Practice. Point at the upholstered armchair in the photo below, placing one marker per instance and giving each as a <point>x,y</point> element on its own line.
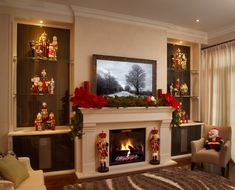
<point>220,158</point>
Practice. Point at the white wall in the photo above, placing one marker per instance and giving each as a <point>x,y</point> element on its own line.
<point>98,36</point>
<point>5,49</point>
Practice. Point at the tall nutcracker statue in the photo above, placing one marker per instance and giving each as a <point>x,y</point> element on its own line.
<point>102,147</point>
<point>155,145</point>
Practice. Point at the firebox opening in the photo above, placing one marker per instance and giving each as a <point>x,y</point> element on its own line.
<point>126,146</point>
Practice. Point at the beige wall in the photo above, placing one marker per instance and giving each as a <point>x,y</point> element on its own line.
<point>4,78</point>
<point>97,36</point>
<point>221,39</point>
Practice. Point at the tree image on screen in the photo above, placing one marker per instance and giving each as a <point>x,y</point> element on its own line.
<point>107,84</point>
<point>136,78</point>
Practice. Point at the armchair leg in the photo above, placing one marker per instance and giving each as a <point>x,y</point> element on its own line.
<point>223,171</point>
<point>202,166</point>
<point>192,165</point>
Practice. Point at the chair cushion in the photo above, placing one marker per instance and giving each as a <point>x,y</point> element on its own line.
<point>6,185</point>
<point>35,179</point>
<point>208,156</point>
<point>13,170</point>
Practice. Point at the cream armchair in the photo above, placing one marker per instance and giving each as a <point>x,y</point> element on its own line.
<point>202,155</point>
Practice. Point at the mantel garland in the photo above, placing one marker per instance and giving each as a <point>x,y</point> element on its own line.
<point>84,99</point>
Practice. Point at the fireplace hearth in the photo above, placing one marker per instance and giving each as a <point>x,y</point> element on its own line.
<point>126,146</point>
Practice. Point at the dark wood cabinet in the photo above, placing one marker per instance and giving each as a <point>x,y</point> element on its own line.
<point>47,152</point>
<point>182,137</point>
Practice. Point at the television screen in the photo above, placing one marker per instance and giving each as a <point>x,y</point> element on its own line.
<point>121,76</point>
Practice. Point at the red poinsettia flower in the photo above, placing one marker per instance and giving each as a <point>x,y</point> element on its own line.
<point>82,98</point>
<point>148,99</point>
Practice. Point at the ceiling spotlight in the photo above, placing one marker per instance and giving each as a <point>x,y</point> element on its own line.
<point>197,20</point>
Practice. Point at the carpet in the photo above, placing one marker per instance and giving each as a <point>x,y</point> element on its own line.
<point>164,179</point>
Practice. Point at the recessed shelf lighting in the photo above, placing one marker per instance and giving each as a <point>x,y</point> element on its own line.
<point>197,20</point>
<point>180,42</point>
<point>41,21</point>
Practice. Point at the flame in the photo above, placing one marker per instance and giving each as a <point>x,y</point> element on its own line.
<point>125,146</point>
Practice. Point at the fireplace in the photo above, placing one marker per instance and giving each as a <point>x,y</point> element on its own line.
<point>113,120</point>
<point>126,146</point>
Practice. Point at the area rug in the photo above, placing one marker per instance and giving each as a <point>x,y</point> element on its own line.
<point>164,179</point>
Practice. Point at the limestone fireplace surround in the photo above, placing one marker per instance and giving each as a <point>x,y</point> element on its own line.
<point>105,119</point>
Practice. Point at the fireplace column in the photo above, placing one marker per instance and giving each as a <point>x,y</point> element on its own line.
<point>165,141</point>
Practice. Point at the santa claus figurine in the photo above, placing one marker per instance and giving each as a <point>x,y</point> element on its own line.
<point>214,141</point>
<point>51,121</point>
<point>38,122</point>
<point>44,112</point>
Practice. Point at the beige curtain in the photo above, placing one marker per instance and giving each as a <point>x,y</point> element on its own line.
<point>218,87</point>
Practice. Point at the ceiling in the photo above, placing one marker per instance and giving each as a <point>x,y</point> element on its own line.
<point>214,15</point>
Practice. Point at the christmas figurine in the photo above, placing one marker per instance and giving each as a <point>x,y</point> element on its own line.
<point>44,44</point>
<point>44,81</point>
<point>38,122</point>
<point>44,112</point>
<point>177,87</point>
<point>35,87</point>
<point>155,145</point>
<point>52,86</point>
<point>102,147</point>
<point>51,121</point>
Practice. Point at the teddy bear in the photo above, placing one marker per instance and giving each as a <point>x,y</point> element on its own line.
<point>214,141</point>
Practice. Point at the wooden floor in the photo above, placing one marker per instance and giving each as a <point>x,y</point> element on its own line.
<point>59,181</point>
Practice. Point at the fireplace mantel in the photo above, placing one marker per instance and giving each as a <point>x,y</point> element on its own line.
<point>105,119</point>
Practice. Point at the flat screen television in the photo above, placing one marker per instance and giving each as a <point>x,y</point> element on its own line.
<point>122,76</point>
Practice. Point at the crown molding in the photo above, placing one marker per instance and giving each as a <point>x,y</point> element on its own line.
<point>172,30</point>
<point>36,9</point>
<point>221,32</point>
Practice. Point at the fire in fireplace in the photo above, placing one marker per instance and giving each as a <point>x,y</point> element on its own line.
<point>126,146</point>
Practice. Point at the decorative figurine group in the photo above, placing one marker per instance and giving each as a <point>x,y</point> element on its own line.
<point>43,49</point>
<point>178,89</point>
<point>179,60</point>
<point>44,120</point>
<point>41,85</point>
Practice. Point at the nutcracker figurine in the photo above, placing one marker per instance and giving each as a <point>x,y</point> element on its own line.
<point>155,145</point>
<point>102,147</point>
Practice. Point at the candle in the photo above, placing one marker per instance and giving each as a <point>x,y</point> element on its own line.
<point>159,93</point>
<point>86,85</point>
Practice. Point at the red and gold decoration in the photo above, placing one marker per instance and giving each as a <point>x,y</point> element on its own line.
<point>155,145</point>
<point>84,99</point>
<point>41,85</point>
<point>102,148</point>
<point>44,120</point>
<point>43,49</point>
<point>179,60</point>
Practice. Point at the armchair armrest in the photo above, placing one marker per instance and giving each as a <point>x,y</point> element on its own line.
<point>197,145</point>
<point>26,162</point>
<point>225,153</point>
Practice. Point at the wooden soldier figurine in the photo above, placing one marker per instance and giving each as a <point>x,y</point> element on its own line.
<point>155,145</point>
<point>102,147</point>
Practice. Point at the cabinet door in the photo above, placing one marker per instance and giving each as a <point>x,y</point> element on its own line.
<point>63,152</point>
<point>27,146</point>
<point>176,140</point>
<point>194,133</point>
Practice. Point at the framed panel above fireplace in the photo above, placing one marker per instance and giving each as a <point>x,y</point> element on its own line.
<point>123,76</point>
<point>126,146</point>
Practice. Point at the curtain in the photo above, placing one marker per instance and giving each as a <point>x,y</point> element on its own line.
<point>218,87</point>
